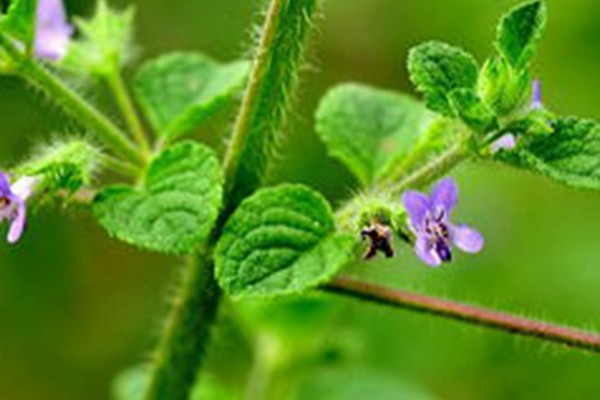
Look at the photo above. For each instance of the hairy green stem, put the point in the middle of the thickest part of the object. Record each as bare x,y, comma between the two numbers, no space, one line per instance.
187,329
267,97
433,170
465,313
347,217
71,102
125,103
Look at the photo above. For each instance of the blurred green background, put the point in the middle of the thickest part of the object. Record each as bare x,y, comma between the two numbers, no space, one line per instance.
76,308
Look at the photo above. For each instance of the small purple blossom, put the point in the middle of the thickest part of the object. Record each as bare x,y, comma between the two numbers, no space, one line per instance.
53,32
505,142
536,95
13,204
430,222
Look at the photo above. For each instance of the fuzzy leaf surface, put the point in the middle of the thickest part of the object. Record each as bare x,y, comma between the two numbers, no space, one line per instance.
66,165
178,91
569,155
472,110
367,128
437,68
519,32
106,42
175,208
281,240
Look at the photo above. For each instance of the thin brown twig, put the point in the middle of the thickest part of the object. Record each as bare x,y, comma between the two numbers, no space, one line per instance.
464,312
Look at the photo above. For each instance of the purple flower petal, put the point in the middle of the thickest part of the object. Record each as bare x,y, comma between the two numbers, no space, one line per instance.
51,12
24,187
417,207
536,95
467,239
53,33
506,142
444,196
18,224
4,185
426,252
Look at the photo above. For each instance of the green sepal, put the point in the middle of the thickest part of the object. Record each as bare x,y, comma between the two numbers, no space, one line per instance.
105,44
502,87
63,164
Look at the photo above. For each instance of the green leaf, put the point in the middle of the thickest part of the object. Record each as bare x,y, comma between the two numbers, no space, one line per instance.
280,240
291,319
19,21
570,155
471,109
349,383
367,128
131,384
437,68
179,91
519,32
105,45
175,208
63,164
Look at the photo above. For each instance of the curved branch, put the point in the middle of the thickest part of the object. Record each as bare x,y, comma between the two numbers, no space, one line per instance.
466,313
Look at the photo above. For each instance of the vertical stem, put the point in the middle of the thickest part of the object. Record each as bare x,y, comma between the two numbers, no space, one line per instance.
267,97
116,84
186,333
278,58
72,103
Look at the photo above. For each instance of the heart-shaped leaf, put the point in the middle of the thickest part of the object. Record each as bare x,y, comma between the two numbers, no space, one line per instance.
175,208
178,91
280,240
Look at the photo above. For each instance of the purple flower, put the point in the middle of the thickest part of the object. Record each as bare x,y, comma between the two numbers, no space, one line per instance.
505,142
536,95
12,204
53,32
430,221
